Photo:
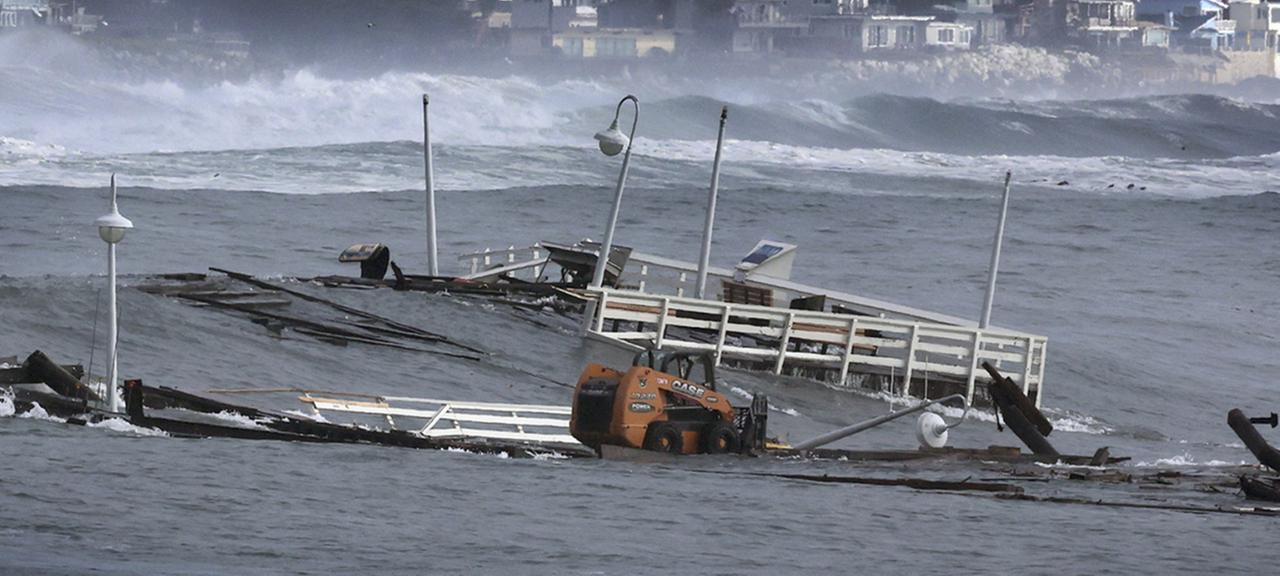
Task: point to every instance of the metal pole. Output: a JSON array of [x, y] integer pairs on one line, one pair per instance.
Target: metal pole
[[705, 257], [433, 268], [839, 433], [995, 256], [113, 399], [602, 260]]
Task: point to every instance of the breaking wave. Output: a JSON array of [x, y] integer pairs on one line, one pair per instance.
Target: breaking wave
[[60, 93]]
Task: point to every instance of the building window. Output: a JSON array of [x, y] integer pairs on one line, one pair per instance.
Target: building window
[[616, 47], [946, 36], [878, 36], [572, 47], [906, 35]]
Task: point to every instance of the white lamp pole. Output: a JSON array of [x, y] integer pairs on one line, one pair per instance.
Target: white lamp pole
[[612, 141], [705, 258], [433, 268], [111, 229], [995, 256]]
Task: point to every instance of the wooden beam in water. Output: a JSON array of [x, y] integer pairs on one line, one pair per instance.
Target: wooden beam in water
[[403, 328]]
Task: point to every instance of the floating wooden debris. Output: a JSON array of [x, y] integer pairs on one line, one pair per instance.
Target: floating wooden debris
[[913, 483], [263, 304]]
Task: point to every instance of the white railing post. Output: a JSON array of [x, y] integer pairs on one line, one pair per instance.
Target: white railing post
[[644, 275], [684, 277], [431, 424], [601, 310], [662, 323], [1044, 350], [911, 359], [786, 338], [973, 364], [724, 330], [1026, 366], [848, 350]]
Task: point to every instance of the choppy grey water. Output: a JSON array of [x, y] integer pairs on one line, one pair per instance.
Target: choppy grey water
[[1159, 299]]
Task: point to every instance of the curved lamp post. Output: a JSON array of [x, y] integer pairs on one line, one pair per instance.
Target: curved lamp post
[[995, 257], [704, 258], [112, 228], [433, 267], [612, 141]]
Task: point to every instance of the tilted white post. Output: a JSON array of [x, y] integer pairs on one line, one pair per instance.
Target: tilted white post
[[705, 257], [113, 397], [995, 256], [111, 228], [433, 267]]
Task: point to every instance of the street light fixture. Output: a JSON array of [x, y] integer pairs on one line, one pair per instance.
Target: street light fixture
[[612, 141], [111, 228]]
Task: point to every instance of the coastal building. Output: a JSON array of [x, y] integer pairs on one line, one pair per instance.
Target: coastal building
[[1257, 25], [766, 26], [618, 43], [986, 27], [1192, 24], [23, 13], [1215, 33], [948, 36], [535, 22], [1093, 24], [857, 34]]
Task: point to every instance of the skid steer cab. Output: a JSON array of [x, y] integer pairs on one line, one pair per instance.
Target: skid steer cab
[[667, 403]]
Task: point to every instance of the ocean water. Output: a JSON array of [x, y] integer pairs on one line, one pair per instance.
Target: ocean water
[[1143, 240]]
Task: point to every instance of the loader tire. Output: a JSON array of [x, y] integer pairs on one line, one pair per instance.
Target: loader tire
[[663, 437], [720, 438]]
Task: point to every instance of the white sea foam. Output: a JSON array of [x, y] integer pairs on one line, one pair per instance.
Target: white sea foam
[[123, 426], [1061, 422], [499, 455], [37, 412], [6, 404], [1185, 459], [772, 405], [238, 419], [307, 415]]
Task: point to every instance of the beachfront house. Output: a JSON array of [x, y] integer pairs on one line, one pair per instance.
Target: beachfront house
[[948, 36], [615, 43], [766, 26], [1093, 24], [1257, 25], [857, 34]]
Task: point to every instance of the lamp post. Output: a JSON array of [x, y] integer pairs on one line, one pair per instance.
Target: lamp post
[[111, 229], [433, 268], [705, 257], [612, 141], [995, 256]]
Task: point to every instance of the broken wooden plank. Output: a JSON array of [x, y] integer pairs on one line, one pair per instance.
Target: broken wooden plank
[[421, 334], [913, 483], [43, 369]]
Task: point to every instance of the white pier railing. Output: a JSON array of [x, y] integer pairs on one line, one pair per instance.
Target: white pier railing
[[528, 423], [798, 338], [882, 336], [527, 258]]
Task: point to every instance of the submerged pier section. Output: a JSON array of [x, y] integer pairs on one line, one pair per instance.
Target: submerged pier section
[[762, 320]]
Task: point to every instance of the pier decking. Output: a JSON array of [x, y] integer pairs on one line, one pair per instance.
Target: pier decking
[[852, 342]]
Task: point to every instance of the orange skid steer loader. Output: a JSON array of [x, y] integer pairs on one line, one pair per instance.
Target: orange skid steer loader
[[656, 404]]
